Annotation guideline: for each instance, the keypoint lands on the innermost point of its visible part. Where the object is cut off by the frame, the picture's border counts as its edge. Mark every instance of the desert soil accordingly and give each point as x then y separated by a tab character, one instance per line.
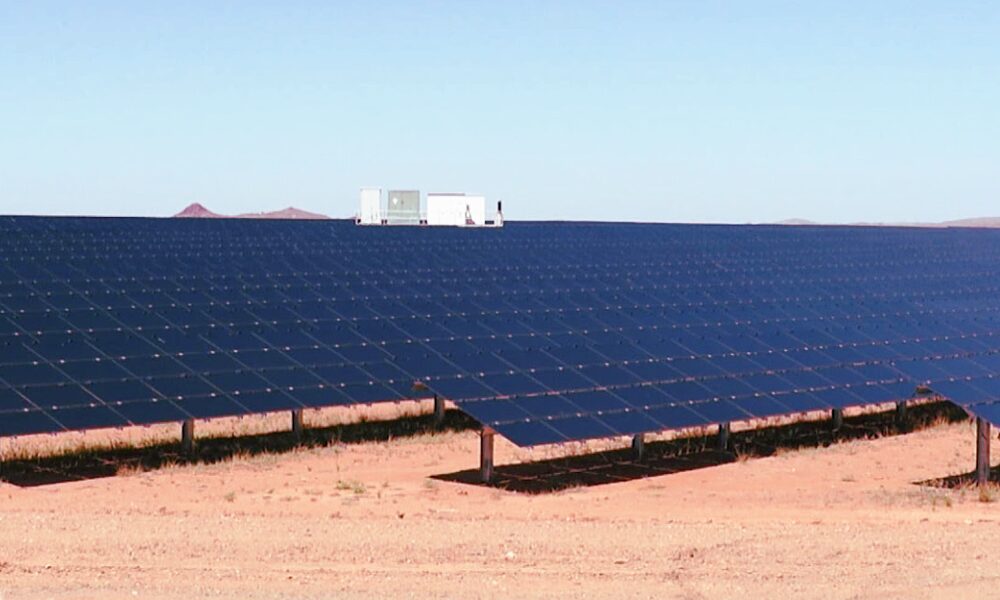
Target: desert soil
377	520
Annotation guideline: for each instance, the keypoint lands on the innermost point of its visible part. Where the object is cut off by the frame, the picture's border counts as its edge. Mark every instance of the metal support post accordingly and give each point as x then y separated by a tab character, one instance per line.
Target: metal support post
438	411
486	455
982	451
638	446
837	419
901	413
187	436
723	441
297	422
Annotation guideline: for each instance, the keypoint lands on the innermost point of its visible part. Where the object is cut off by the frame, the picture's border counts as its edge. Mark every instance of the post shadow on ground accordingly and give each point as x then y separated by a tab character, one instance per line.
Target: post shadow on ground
962	480
107	462
686	454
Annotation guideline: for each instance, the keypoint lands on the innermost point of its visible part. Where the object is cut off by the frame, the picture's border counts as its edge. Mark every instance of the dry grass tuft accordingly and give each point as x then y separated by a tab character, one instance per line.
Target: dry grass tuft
128	469
351	485
744	453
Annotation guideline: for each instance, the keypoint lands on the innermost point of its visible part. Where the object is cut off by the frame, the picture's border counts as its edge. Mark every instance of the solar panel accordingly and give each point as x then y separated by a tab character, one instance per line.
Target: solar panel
545	332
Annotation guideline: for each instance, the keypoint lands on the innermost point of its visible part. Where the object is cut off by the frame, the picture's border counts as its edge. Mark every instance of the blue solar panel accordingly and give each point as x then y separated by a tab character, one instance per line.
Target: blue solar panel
545	332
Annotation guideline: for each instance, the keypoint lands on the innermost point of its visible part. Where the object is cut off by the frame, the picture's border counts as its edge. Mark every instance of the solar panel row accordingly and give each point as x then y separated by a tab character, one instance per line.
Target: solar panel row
545	332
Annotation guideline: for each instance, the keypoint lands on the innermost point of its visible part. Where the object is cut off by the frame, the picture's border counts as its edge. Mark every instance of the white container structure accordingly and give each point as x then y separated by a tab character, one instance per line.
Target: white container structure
370	212
402	207
459	210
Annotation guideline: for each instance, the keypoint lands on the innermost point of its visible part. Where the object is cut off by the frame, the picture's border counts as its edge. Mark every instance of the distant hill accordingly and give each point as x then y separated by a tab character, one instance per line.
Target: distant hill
286	213
797	222
198	211
986	222
977	222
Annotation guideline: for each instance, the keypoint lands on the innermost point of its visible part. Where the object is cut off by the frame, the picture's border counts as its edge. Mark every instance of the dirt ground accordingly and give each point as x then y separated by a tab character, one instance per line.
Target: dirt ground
393	519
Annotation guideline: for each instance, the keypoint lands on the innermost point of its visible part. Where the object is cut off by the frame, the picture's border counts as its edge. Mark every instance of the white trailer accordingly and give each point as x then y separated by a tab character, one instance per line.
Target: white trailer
370	212
459	210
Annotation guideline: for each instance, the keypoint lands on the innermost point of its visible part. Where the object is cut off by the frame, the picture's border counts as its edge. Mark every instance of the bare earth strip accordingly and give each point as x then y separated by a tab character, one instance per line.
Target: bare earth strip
366	520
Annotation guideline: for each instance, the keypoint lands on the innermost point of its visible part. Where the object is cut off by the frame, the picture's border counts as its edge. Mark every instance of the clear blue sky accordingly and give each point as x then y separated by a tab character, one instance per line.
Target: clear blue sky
663	111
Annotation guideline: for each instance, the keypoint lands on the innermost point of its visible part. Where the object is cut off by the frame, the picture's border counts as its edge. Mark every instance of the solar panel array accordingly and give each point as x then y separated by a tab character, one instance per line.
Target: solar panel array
546	332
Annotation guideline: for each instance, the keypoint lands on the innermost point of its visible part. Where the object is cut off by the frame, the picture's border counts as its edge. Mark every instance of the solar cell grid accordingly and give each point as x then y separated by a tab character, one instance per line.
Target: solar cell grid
757	316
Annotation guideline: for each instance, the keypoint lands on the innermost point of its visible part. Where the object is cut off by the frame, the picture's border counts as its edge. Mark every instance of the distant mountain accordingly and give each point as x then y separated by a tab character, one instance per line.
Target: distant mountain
797	222
286	213
197	211
977	222
985	222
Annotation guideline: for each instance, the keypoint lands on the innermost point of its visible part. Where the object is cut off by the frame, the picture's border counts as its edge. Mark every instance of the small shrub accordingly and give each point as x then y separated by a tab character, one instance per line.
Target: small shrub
355	486
127	469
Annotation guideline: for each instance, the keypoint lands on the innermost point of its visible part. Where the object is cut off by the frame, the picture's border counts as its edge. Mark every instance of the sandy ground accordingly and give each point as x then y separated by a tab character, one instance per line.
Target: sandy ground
382	519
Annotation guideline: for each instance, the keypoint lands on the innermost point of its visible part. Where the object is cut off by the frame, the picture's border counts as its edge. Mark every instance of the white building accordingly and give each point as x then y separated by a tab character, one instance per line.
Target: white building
403	207
456	209
371	207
